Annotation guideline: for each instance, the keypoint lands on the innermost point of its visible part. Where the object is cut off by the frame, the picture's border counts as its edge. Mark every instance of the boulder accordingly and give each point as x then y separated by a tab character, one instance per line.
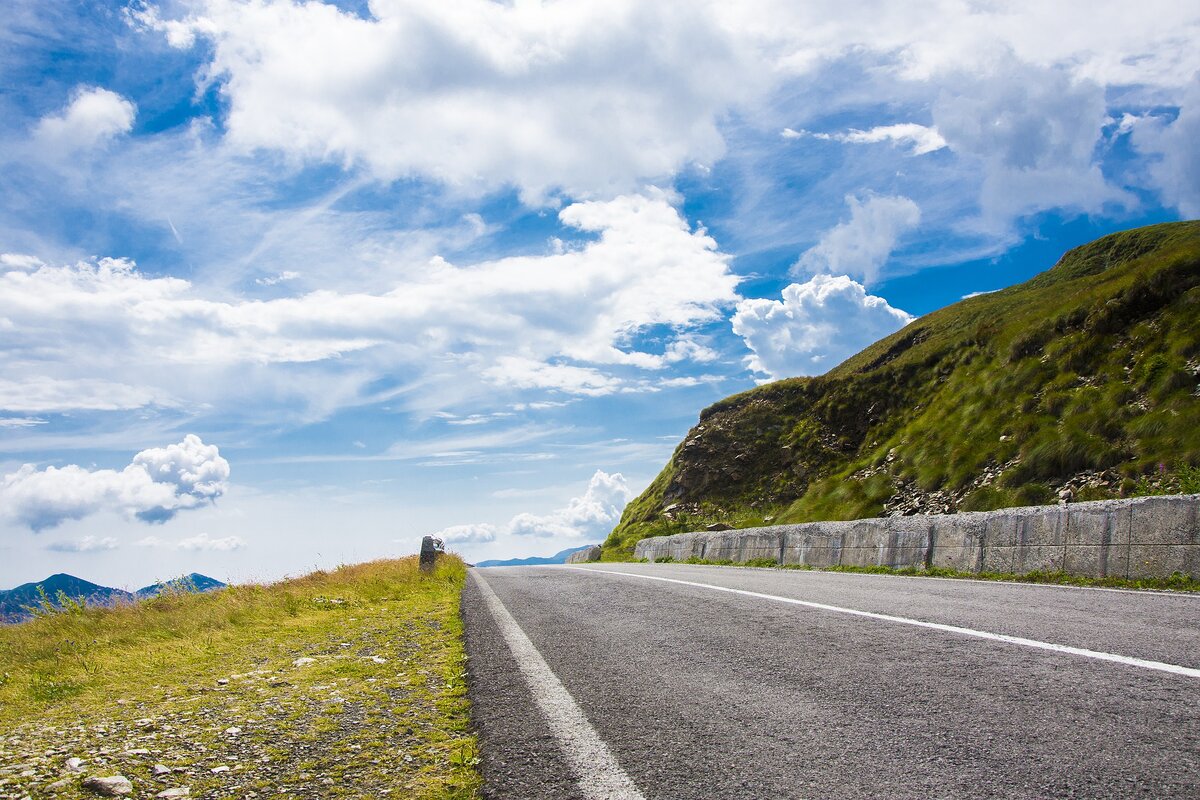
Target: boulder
111	786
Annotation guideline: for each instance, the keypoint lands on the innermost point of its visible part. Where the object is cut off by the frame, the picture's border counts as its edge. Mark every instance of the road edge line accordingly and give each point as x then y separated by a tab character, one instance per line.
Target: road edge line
596	770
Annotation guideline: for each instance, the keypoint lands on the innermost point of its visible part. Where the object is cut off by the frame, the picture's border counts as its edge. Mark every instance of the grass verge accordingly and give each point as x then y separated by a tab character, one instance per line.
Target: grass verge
1178	582
349	683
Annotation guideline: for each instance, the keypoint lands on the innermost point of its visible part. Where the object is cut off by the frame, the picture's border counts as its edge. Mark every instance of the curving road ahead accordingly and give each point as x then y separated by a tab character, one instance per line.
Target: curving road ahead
676	681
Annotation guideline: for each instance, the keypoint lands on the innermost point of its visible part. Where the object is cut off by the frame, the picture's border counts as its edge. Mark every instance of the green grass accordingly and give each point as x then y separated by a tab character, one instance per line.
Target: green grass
380	711
1090	368
1177	582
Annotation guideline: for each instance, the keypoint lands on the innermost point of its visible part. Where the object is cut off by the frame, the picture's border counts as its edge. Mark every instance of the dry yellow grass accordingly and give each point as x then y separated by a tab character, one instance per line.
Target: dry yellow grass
379	710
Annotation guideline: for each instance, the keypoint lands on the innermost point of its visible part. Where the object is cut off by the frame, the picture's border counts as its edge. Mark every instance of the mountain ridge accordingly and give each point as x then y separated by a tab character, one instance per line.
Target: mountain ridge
16	602
558	558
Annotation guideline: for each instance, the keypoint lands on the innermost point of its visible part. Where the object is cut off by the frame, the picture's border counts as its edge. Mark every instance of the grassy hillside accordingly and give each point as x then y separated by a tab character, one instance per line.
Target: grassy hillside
339	684
1084	377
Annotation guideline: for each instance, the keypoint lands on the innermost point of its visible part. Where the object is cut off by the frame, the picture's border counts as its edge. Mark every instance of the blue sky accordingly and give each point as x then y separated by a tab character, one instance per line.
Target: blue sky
286	285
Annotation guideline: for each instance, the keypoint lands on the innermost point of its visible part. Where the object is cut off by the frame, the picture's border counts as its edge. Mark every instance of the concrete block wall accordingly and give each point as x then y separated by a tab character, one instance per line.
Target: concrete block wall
1141	537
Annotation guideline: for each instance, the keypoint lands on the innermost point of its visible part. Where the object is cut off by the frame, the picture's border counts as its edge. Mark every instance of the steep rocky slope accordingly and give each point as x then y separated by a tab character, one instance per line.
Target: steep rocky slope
1083	379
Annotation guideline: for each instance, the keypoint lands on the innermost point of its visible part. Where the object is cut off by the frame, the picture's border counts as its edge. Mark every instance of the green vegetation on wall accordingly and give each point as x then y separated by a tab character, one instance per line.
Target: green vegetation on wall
1083	378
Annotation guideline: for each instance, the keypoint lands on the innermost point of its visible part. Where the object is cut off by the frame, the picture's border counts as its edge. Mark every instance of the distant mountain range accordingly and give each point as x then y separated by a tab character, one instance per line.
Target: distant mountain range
15	603
558	558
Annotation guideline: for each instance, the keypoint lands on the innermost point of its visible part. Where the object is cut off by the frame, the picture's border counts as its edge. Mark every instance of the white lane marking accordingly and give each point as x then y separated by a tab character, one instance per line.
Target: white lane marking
597	772
1193	596
1160	666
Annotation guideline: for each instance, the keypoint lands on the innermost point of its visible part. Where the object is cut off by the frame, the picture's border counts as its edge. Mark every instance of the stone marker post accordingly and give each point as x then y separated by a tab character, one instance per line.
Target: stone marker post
431	546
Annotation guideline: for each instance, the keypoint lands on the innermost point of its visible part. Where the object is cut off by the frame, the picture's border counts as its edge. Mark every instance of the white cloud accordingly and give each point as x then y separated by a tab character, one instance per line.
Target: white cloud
525	373
687	348
476	93
204	542
590	515
282	277
478	533
860	246
594	96
922	139
19	261
817	325
37	393
86	544
525	322
93	117
20	422
1033	131
1175	167
201	541
156	485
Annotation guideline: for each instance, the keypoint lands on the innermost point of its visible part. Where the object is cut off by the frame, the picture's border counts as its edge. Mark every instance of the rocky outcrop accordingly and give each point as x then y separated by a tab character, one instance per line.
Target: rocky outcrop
585	555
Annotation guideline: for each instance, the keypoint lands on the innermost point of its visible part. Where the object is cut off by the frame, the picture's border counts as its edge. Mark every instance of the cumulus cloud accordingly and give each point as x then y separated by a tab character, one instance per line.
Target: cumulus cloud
94	116
1174	169
544	322
815	327
590	515
860	246
1033	131
919	138
156	485
19	261
88	544
595	96
477	533
203	542
484	93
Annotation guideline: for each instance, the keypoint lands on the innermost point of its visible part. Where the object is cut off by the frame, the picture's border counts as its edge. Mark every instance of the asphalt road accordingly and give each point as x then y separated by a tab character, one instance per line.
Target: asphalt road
700	693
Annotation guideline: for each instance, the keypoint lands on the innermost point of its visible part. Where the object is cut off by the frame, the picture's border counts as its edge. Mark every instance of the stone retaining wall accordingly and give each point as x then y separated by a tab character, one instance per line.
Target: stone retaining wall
1142	537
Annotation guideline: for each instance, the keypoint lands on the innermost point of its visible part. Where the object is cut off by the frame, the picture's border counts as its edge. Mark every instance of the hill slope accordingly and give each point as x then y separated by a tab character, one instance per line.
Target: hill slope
1084	377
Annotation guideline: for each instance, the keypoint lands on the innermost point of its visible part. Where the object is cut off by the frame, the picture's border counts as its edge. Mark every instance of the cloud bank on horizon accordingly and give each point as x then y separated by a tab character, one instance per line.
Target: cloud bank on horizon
589	516
335	236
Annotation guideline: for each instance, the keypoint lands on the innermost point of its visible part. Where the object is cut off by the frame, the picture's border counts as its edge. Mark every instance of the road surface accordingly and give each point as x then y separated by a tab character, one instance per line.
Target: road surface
662	683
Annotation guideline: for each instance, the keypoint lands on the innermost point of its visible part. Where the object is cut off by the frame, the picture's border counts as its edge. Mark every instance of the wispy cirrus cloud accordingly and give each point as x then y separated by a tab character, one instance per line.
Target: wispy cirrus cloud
920	138
94	116
550	322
